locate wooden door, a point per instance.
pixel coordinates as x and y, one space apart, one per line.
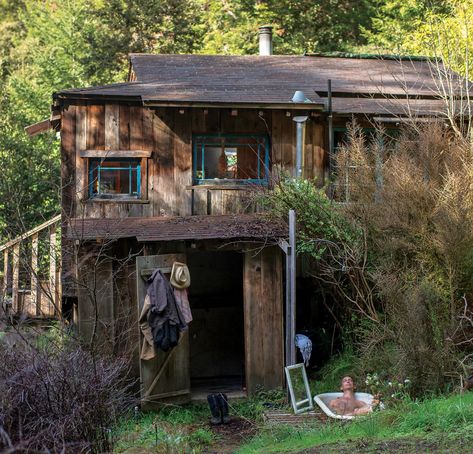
264 335
167 376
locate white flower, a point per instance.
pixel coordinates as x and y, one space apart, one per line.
400 385
393 395
367 382
389 383
407 381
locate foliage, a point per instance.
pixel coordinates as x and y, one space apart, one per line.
419 27
178 430
304 26
389 392
334 244
329 377
59 398
418 247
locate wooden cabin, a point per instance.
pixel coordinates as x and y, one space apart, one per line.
163 167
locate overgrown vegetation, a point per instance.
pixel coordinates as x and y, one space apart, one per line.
57 397
397 257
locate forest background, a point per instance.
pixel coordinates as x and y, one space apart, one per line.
47 45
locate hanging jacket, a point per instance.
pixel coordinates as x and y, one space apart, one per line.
182 301
164 316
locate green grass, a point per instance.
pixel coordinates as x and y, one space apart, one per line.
442 418
173 429
182 429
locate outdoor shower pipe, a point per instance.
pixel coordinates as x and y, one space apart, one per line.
300 138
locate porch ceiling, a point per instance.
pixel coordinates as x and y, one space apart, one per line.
242 226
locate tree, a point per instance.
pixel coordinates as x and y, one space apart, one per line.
304 26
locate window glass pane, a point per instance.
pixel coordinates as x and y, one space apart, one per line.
230 158
115 177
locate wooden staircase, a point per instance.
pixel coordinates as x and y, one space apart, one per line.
31 284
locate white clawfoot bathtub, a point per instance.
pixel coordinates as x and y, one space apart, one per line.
322 400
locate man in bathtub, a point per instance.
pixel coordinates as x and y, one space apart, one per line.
348 404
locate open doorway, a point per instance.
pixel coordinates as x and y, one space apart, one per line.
216 334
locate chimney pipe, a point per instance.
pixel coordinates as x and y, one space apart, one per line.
266 40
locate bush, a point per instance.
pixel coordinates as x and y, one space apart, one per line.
59 399
397 258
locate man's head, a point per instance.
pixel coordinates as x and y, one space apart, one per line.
347 384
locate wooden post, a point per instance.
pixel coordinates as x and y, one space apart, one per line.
291 317
16 277
5 273
52 269
34 273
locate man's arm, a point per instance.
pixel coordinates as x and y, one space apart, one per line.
362 408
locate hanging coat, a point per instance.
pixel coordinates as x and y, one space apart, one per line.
164 316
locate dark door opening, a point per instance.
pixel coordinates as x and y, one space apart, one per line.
216 334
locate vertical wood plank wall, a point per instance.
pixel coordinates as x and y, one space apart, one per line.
167 133
263 318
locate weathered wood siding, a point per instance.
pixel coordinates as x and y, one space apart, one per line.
167 134
263 315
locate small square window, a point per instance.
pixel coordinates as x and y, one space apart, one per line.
114 178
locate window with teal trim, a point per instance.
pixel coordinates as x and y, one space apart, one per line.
114 178
231 158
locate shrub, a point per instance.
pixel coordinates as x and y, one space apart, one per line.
59 399
397 258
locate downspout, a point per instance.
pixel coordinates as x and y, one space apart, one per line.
300 142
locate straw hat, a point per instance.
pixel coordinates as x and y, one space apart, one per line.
180 276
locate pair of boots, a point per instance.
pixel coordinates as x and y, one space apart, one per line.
219 408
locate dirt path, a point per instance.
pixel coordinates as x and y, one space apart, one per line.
231 436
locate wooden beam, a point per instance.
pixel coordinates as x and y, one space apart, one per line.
15 277
52 269
5 272
34 273
115 153
38 128
30 232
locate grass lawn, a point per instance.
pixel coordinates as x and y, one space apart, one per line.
443 424
186 429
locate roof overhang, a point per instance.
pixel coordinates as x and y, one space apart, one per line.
172 228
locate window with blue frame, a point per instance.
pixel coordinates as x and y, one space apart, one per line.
114 178
231 158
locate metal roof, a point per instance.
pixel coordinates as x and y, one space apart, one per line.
241 226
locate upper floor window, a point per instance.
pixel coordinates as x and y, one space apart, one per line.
344 170
114 177
231 158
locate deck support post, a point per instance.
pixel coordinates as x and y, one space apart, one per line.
34 274
16 277
6 274
52 270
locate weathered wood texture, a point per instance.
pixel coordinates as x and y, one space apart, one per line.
166 176
96 306
263 319
167 375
